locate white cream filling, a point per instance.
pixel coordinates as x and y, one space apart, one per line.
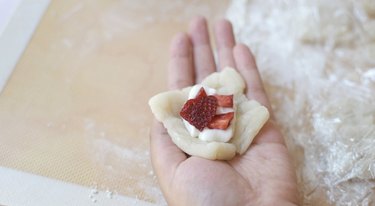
209 135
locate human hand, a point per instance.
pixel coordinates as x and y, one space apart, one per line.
263 175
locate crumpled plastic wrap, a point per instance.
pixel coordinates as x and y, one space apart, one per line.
317 59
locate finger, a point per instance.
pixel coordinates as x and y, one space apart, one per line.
181 70
165 155
225 42
203 57
247 67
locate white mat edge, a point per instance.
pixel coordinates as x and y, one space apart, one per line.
19 188
18 32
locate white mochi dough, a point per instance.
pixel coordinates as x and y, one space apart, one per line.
250 117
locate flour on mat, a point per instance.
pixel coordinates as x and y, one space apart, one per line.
118 162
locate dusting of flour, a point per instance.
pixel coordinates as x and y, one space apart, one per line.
317 59
127 170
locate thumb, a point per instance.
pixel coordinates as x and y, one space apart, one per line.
165 155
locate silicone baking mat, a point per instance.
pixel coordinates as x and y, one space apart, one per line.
75 107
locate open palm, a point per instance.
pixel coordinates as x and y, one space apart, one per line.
264 175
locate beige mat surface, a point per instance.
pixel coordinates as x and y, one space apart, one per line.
75 108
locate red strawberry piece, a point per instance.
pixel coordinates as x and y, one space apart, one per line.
201 93
224 100
221 121
199 111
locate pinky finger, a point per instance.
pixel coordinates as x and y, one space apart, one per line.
247 67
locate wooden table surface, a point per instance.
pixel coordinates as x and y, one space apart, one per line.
75 108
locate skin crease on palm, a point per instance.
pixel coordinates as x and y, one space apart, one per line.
264 175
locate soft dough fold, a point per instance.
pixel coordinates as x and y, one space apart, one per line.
250 117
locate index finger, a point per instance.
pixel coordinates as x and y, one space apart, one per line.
181 68
165 155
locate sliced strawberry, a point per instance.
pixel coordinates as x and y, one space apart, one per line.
221 121
199 111
224 100
201 93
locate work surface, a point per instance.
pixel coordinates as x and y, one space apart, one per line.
75 108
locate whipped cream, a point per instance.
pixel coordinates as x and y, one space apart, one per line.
209 135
